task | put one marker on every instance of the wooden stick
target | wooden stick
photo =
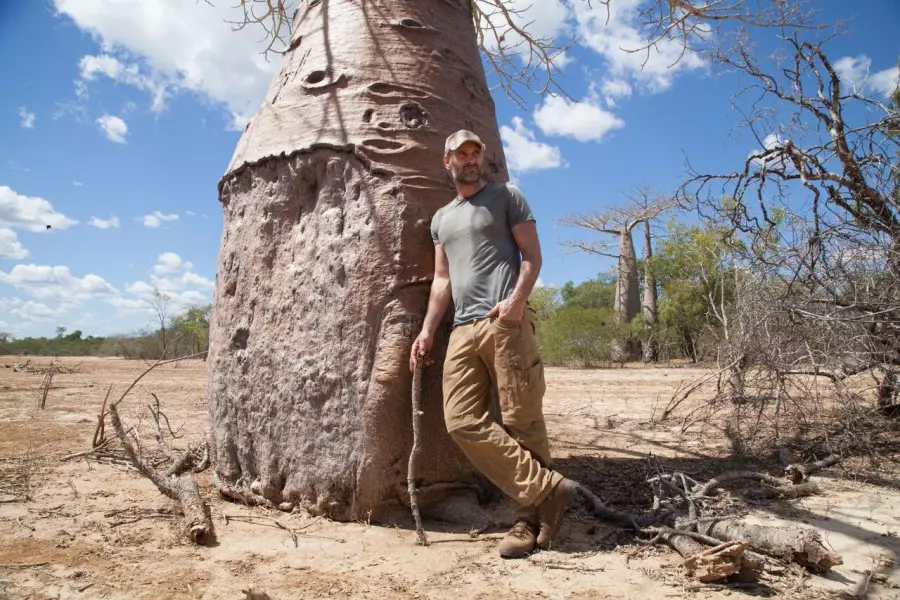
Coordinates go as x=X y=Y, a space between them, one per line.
x=416 y=450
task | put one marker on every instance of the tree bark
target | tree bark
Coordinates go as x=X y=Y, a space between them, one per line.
x=326 y=258
x=802 y=546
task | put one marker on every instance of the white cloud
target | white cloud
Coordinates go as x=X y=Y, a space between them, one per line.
x=56 y=283
x=10 y=246
x=542 y=19
x=584 y=121
x=127 y=73
x=168 y=46
x=30 y=213
x=112 y=222
x=856 y=71
x=169 y=262
x=523 y=152
x=611 y=34
x=27 y=118
x=174 y=278
x=115 y=128
x=614 y=90
x=77 y=183
x=190 y=213
x=771 y=142
x=156 y=218
x=36 y=311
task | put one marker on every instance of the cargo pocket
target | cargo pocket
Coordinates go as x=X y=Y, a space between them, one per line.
x=523 y=400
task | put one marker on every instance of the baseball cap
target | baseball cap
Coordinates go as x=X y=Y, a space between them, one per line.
x=459 y=138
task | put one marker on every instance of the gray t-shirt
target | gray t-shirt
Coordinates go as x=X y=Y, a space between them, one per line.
x=483 y=255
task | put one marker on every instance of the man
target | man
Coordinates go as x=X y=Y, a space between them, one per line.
x=487 y=257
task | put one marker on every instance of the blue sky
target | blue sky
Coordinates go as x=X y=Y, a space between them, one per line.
x=119 y=117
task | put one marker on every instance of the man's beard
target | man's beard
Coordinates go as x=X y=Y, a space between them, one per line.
x=468 y=176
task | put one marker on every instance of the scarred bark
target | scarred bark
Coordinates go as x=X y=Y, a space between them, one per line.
x=326 y=259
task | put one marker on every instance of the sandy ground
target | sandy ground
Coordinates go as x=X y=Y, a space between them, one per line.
x=71 y=538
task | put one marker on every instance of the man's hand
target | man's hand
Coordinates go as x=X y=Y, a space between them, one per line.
x=511 y=310
x=420 y=349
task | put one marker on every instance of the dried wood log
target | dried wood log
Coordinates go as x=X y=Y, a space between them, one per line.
x=801 y=490
x=415 y=451
x=182 y=489
x=797 y=472
x=709 y=564
x=793 y=544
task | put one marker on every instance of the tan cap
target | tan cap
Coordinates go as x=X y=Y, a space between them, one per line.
x=459 y=138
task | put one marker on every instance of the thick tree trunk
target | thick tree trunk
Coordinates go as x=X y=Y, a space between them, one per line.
x=651 y=352
x=627 y=301
x=326 y=258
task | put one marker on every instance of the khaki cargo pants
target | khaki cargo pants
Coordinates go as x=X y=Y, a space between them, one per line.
x=515 y=454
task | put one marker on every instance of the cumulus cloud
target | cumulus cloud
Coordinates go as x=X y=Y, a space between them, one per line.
x=33 y=311
x=175 y=279
x=27 y=118
x=169 y=262
x=614 y=90
x=523 y=152
x=612 y=30
x=10 y=246
x=115 y=128
x=164 y=47
x=28 y=212
x=156 y=218
x=542 y=19
x=112 y=222
x=857 y=72
x=584 y=121
x=56 y=283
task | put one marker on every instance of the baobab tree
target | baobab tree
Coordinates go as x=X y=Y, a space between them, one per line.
x=325 y=262
x=643 y=206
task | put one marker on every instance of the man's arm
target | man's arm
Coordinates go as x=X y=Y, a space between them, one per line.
x=438 y=300
x=513 y=308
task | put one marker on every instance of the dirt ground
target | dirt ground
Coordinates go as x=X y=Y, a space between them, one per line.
x=71 y=529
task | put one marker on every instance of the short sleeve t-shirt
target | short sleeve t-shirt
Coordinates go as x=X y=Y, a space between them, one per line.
x=484 y=259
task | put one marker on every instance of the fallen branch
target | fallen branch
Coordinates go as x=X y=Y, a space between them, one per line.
x=784 y=492
x=802 y=546
x=100 y=431
x=24 y=565
x=710 y=564
x=601 y=511
x=703 y=490
x=797 y=472
x=415 y=451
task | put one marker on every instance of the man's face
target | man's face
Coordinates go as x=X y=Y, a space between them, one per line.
x=465 y=163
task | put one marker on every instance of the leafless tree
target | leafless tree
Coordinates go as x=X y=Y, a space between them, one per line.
x=817 y=209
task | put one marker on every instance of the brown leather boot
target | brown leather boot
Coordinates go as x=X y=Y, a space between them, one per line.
x=519 y=541
x=552 y=510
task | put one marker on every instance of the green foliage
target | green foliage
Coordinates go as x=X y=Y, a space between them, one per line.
x=696 y=283
x=576 y=324
x=585 y=336
x=188 y=333
x=594 y=293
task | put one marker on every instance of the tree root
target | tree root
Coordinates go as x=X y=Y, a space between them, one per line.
x=240 y=494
